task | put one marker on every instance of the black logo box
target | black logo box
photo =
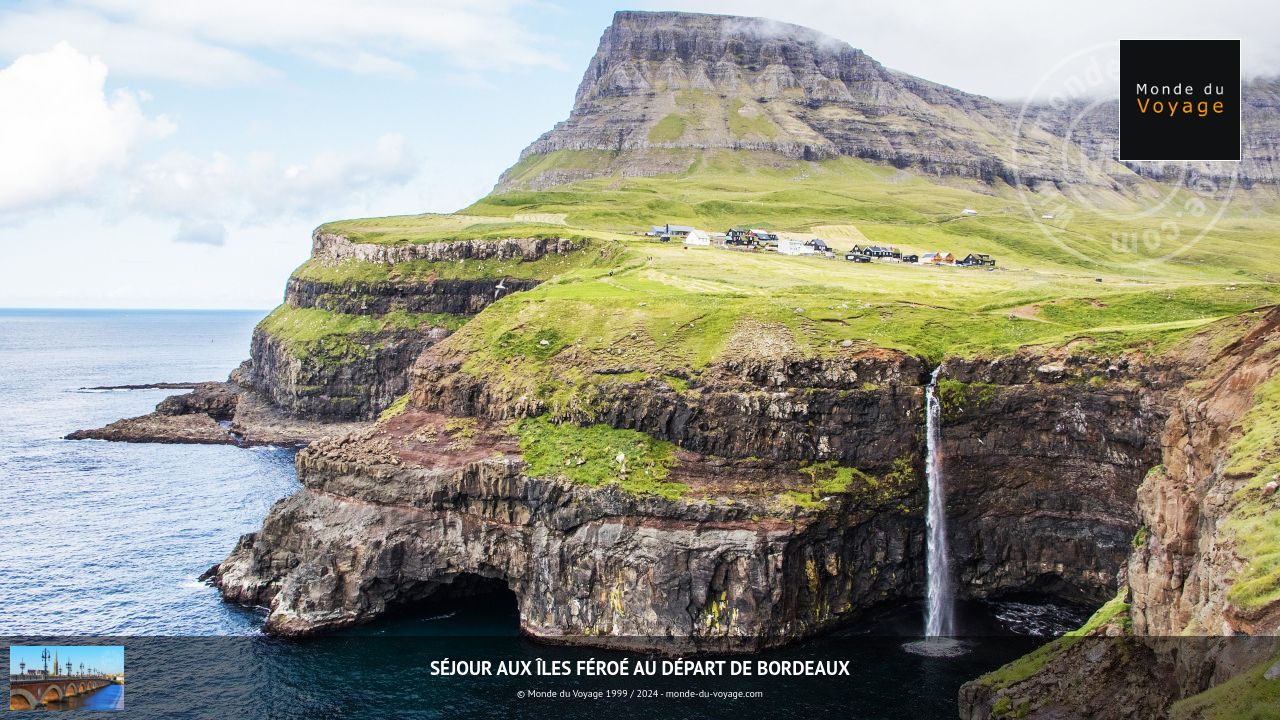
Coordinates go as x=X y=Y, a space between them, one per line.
x=1184 y=68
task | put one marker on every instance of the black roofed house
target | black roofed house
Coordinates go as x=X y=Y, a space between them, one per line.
x=975 y=259
x=819 y=246
x=880 y=252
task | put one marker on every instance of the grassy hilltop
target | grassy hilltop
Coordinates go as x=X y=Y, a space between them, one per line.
x=629 y=301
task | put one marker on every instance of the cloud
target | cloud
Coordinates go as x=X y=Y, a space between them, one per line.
x=260 y=188
x=129 y=48
x=60 y=133
x=198 y=232
x=214 y=43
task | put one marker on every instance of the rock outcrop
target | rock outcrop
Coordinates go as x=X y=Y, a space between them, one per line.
x=394 y=516
x=664 y=80
x=1043 y=455
x=666 y=87
x=398 y=514
x=348 y=370
x=1183 y=629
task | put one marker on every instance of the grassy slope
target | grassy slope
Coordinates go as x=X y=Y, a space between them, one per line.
x=1247 y=696
x=1028 y=665
x=666 y=309
x=1253 y=522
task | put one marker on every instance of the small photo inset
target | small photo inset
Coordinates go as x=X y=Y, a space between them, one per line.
x=66 y=677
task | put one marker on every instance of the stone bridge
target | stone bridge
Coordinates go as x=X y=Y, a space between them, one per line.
x=28 y=692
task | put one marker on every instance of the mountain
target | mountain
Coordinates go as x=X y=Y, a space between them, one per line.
x=664 y=87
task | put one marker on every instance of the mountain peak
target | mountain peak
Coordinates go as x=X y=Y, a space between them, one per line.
x=666 y=89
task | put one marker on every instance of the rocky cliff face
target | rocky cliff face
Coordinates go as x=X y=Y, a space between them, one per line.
x=356 y=339
x=1094 y=128
x=398 y=514
x=1199 y=610
x=1044 y=454
x=688 y=81
x=663 y=82
x=402 y=513
x=861 y=409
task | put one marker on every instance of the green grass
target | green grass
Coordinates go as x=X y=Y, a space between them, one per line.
x=668 y=129
x=1247 y=696
x=303 y=325
x=665 y=310
x=598 y=455
x=396 y=408
x=329 y=338
x=1254 y=521
x=745 y=126
x=599 y=254
x=830 y=478
x=431 y=228
x=955 y=396
x=1028 y=665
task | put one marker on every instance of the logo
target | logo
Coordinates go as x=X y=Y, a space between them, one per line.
x=1179 y=100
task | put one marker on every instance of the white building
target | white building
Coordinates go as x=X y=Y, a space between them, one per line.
x=697 y=237
x=794 y=246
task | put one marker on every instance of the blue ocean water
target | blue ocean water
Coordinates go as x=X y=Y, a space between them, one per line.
x=107 y=539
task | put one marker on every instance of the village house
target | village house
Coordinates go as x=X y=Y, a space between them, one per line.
x=973 y=259
x=697 y=237
x=666 y=232
x=877 y=251
x=937 y=258
x=794 y=246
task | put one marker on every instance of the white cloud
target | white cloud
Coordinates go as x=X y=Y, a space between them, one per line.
x=129 y=48
x=261 y=188
x=200 y=41
x=200 y=232
x=60 y=133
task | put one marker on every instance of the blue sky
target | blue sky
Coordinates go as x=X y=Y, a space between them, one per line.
x=177 y=153
x=108 y=659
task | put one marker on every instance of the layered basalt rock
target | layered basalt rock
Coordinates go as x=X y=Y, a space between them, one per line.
x=664 y=87
x=454 y=297
x=1043 y=455
x=356 y=382
x=754 y=84
x=1179 y=635
x=387 y=519
x=394 y=516
x=861 y=409
x=360 y=375
x=334 y=248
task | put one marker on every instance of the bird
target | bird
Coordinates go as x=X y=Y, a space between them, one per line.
x=497 y=289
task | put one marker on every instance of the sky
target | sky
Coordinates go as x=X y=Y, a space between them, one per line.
x=108 y=659
x=178 y=153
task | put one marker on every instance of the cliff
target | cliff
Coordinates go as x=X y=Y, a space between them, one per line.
x=1202 y=606
x=665 y=82
x=665 y=88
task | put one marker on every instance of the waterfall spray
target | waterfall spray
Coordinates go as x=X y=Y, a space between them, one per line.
x=938 y=617
x=939 y=623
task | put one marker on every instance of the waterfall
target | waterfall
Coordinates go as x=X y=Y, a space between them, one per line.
x=938 y=617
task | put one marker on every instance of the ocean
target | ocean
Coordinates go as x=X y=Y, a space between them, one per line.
x=102 y=543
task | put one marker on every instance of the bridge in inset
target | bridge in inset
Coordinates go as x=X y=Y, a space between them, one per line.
x=28 y=692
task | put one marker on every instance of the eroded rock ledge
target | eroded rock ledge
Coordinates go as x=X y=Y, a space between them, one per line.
x=390 y=517
x=396 y=515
